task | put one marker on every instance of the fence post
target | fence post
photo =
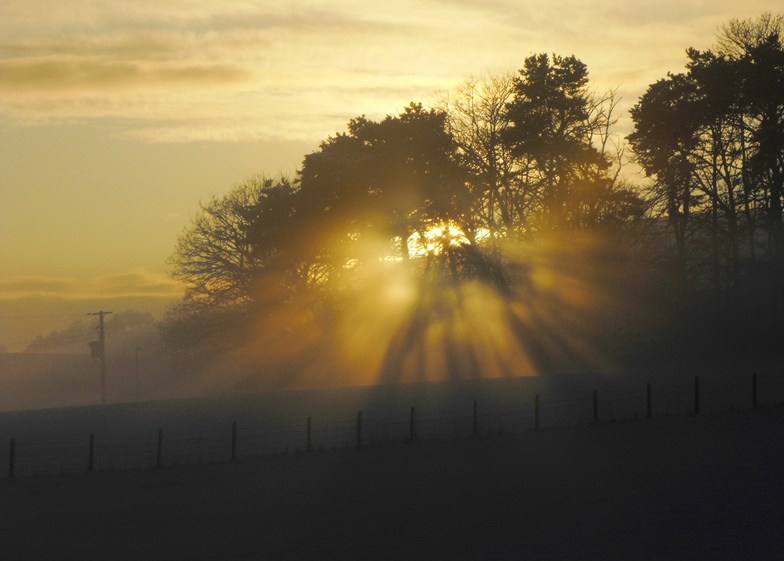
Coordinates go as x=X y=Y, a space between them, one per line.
x=754 y=391
x=159 y=458
x=12 y=459
x=90 y=461
x=359 y=430
x=476 y=419
x=536 y=412
x=648 y=400
x=595 y=406
x=234 y=441
x=309 y=436
x=696 y=395
x=412 y=425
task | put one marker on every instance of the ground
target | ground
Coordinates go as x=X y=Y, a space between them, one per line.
x=692 y=487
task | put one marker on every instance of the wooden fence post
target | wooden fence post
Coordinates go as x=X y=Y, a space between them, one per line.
x=536 y=412
x=159 y=457
x=90 y=461
x=648 y=400
x=234 y=441
x=309 y=436
x=12 y=459
x=696 y=395
x=754 y=391
x=476 y=419
x=359 y=430
x=412 y=425
x=595 y=406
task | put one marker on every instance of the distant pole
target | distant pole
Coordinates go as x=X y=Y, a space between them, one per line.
x=595 y=406
x=12 y=459
x=476 y=419
x=159 y=458
x=536 y=412
x=359 y=430
x=309 y=435
x=648 y=400
x=91 y=459
x=234 y=441
x=412 y=425
x=137 y=372
x=696 y=395
x=754 y=391
x=100 y=350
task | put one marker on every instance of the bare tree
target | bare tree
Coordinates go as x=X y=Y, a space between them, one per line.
x=216 y=256
x=739 y=37
x=476 y=120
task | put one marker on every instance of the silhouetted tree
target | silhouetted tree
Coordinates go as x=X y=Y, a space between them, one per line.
x=553 y=127
x=710 y=137
x=230 y=241
x=477 y=120
x=508 y=202
x=382 y=182
x=738 y=37
x=663 y=139
x=764 y=98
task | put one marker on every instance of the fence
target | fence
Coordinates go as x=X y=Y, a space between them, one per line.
x=231 y=442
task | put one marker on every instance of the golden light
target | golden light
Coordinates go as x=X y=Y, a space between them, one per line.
x=436 y=239
x=482 y=234
x=396 y=320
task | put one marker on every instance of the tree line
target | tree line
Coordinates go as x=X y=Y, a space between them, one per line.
x=712 y=138
x=495 y=233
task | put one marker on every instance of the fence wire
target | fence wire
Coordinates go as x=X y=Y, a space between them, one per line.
x=280 y=435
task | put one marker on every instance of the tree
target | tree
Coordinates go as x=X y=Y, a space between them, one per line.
x=663 y=140
x=505 y=219
x=477 y=120
x=385 y=179
x=713 y=138
x=555 y=124
x=243 y=275
x=737 y=38
x=754 y=48
x=290 y=264
x=764 y=95
x=230 y=241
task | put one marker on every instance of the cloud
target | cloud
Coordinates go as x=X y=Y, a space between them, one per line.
x=192 y=71
x=119 y=285
x=35 y=285
x=137 y=284
x=183 y=72
x=303 y=114
x=66 y=74
x=129 y=47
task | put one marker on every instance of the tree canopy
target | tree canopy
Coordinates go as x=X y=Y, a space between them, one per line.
x=712 y=140
x=496 y=234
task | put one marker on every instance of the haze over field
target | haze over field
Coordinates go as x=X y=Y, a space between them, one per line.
x=116 y=119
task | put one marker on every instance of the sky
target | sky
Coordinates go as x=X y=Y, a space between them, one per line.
x=117 y=118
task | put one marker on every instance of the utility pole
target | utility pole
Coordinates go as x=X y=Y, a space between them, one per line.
x=98 y=350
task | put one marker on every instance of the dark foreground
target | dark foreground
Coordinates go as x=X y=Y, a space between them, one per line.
x=709 y=487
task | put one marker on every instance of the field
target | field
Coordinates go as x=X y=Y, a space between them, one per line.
x=708 y=487
x=676 y=486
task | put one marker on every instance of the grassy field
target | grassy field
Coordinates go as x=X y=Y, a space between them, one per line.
x=691 y=487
